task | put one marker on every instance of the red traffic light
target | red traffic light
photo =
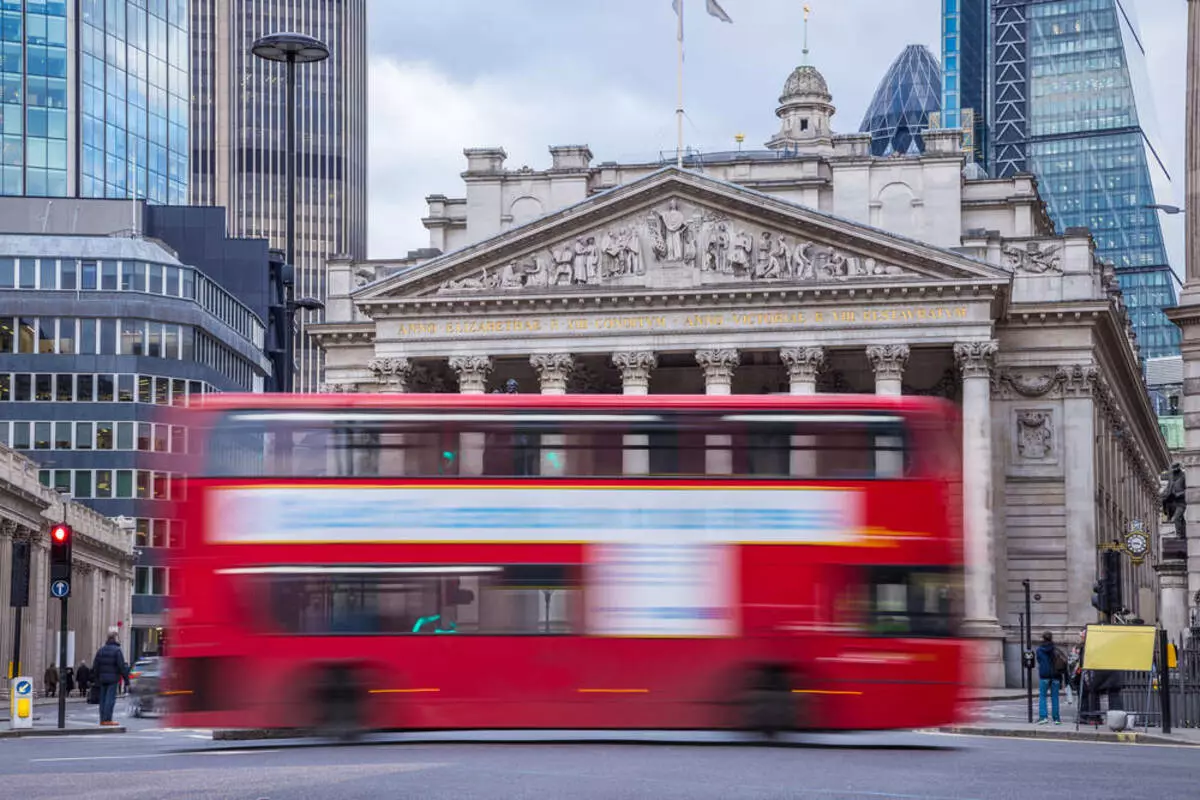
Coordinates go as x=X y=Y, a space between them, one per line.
x=60 y=533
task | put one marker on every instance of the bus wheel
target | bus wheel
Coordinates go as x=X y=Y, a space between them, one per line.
x=771 y=707
x=339 y=704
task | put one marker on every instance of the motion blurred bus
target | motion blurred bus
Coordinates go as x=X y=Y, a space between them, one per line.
x=438 y=561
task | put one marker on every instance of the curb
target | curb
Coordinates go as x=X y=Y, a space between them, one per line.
x=1069 y=736
x=34 y=732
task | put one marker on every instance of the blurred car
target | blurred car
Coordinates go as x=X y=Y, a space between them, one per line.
x=145 y=680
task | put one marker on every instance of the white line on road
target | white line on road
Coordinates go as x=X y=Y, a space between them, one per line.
x=149 y=755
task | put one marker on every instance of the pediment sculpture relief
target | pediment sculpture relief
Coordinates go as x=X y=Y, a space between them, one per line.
x=675 y=245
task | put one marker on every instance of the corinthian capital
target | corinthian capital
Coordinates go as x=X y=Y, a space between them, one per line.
x=888 y=360
x=718 y=365
x=393 y=374
x=803 y=364
x=975 y=358
x=472 y=373
x=635 y=368
x=553 y=370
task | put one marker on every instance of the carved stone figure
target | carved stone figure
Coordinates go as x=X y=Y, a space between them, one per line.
x=1032 y=259
x=674 y=225
x=363 y=276
x=564 y=258
x=742 y=252
x=1034 y=434
x=512 y=276
x=717 y=258
x=1174 y=499
x=778 y=263
x=762 y=265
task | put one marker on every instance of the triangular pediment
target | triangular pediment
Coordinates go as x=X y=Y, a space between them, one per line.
x=679 y=231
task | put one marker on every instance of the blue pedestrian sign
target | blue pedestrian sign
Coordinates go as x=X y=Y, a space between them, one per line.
x=60 y=589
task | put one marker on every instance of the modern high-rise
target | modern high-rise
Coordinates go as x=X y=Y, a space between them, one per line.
x=965 y=73
x=1067 y=99
x=94 y=98
x=901 y=109
x=239 y=136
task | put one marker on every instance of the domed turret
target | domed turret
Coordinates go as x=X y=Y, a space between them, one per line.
x=806 y=109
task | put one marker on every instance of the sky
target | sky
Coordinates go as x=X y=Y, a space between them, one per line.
x=527 y=74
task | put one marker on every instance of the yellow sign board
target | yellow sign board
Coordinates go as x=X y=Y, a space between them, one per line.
x=1120 y=647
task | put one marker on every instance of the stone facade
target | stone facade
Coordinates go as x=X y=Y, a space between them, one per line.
x=102 y=571
x=825 y=270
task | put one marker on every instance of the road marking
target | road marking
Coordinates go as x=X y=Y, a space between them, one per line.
x=99 y=758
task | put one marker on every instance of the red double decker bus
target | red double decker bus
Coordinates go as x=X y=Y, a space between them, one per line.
x=575 y=562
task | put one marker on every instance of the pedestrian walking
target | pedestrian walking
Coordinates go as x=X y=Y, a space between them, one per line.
x=108 y=669
x=1052 y=663
x=50 y=679
x=83 y=677
x=68 y=681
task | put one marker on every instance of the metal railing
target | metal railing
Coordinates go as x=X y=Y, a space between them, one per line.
x=1140 y=695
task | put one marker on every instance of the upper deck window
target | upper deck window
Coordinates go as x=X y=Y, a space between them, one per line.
x=347 y=443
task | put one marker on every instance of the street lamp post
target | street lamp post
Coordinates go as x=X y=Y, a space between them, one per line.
x=291 y=49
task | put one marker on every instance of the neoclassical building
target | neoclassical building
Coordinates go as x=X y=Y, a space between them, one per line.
x=809 y=266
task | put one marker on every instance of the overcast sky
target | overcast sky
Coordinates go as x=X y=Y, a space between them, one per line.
x=527 y=74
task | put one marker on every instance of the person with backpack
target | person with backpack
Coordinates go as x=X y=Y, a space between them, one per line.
x=1052 y=663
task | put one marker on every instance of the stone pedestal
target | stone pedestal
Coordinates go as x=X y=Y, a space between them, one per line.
x=1172 y=596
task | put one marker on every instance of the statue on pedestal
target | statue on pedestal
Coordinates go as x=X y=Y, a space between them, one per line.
x=1174 y=499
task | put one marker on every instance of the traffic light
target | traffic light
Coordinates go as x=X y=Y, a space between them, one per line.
x=1106 y=592
x=60 y=553
x=1111 y=580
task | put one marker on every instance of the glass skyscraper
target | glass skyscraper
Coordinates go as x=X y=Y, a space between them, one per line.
x=909 y=94
x=95 y=98
x=238 y=105
x=1066 y=80
x=965 y=72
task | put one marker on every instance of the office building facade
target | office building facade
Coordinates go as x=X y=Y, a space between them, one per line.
x=94 y=99
x=901 y=109
x=98 y=334
x=239 y=129
x=1068 y=100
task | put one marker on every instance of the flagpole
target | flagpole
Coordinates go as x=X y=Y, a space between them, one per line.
x=679 y=86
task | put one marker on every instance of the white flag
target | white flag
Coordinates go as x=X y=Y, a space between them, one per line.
x=713 y=8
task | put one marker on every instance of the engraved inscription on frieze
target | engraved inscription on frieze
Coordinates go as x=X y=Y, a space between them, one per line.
x=674 y=245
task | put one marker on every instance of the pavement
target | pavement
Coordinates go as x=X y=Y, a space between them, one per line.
x=80 y=719
x=1010 y=718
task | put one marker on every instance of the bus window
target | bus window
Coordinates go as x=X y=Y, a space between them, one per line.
x=395 y=600
x=908 y=601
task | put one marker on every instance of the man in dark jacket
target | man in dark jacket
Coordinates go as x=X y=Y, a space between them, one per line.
x=83 y=677
x=108 y=669
x=1048 y=679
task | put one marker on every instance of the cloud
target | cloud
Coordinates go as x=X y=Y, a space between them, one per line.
x=421 y=119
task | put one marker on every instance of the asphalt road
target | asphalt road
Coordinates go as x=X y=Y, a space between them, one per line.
x=149 y=763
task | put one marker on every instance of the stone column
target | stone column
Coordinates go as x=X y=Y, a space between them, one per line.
x=635 y=370
x=1083 y=474
x=804 y=365
x=718 y=366
x=554 y=370
x=472 y=374
x=888 y=361
x=392 y=374
x=1172 y=585
x=975 y=361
